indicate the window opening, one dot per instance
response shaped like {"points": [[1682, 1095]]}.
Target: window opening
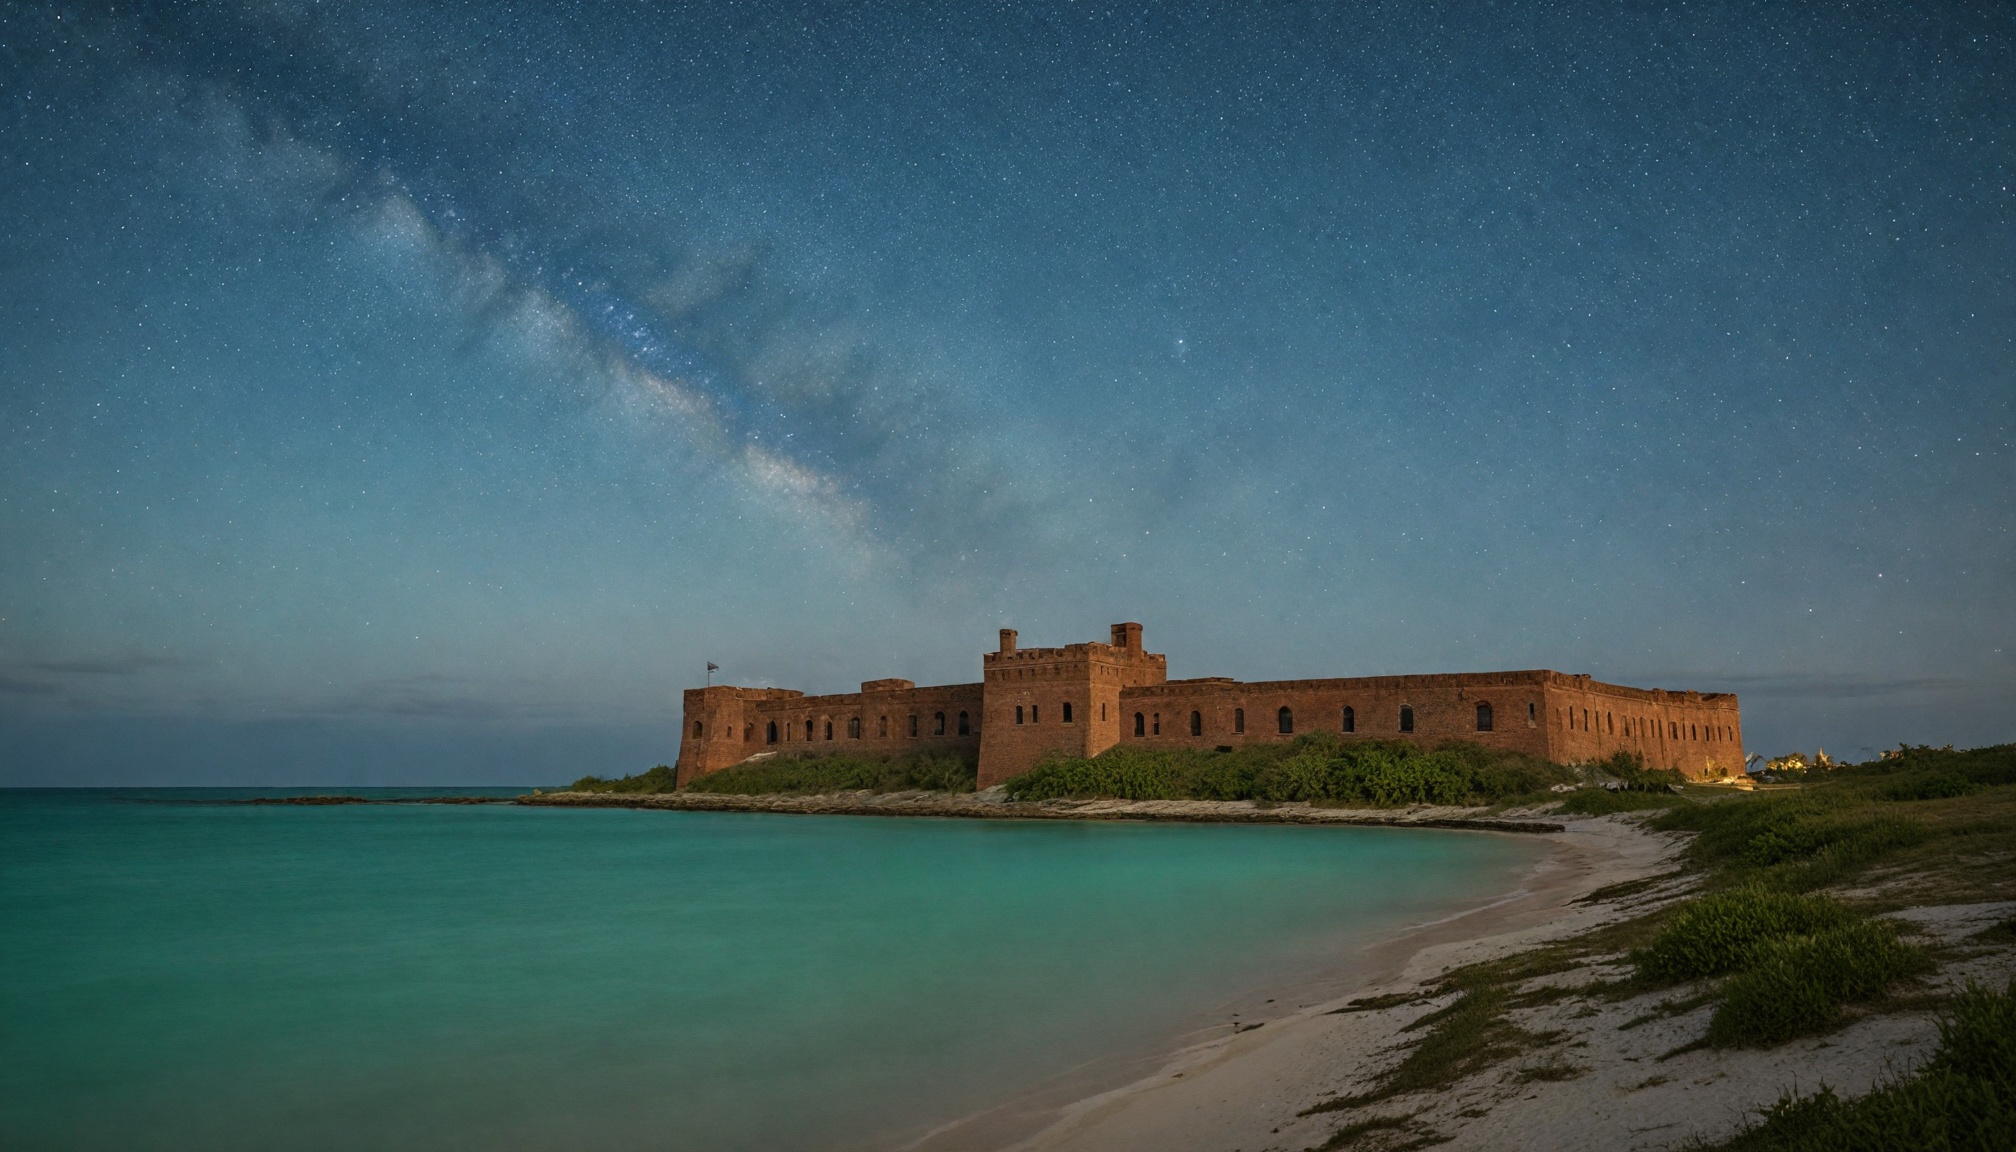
{"points": [[1196, 723], [1238, 720], [1067, 712], [1350, 719], [770, 732], [696, 729], [1140, 724], [1285, 720], [1406, 717], [937, 723], [965, 726], [1483, 717], [1018, 714]]}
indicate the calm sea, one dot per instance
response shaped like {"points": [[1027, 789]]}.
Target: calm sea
{"points": [[179, 973]]}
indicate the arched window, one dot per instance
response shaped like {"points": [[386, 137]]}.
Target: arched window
{"points": [[1140, 724], [1018, 714], [853, 727], [1350, 719], [748, 733], [770, 732], [696, 729], [1483, 717], [1406, 717], [937, 723], [1238, 720], [882, 727], [965, 725], [1196, 723], [1033, 713], [1532, 716], [913, 724], [808, 728], [1067, 712], [1155, 724], [1285, 719], [829, 729]]}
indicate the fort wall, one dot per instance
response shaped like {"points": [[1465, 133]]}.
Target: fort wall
{"points": [[1082, 699]]}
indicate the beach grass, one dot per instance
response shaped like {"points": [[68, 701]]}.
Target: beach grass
{"points": [[1796, 985], [1962, 1100], [1725, 931]]}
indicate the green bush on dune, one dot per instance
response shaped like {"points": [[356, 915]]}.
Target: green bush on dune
{"points": [[1798, 984], [1723, 932], [1314, 768]]}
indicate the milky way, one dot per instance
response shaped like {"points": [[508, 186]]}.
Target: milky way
{"points": [[427, 391]]}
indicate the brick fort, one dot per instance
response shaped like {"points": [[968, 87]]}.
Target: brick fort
{"points": [[1082, 699]]}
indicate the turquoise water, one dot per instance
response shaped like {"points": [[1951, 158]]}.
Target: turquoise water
{"points": [[183, 975]]}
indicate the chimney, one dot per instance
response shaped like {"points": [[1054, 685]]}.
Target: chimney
{"points": [[1007, 639], [1127, 636]]}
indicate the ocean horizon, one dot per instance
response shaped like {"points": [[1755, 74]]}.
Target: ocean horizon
{"points": [[187, 972]]}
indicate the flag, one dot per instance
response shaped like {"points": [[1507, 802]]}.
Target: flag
{"points": [[713, 667]]}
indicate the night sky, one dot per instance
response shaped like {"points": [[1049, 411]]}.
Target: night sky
{"points": [[424, 392]]}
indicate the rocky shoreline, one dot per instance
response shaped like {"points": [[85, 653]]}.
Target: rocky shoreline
{"points": [[992, 805]]}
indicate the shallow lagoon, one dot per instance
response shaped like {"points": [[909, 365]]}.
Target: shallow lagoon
{"points": [[184, 974]]}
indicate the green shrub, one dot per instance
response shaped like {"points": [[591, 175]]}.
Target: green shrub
{"points": [[1723, 932], [1935, 785], [1317, 768], [1798, 984], [840, 772], [659, 779], [1987, 767], [1601, 802], [1807, 840], [1963, 1100]]}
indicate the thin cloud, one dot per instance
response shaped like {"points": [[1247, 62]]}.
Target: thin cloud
{"points": [[110, 666], [1803, 686]]}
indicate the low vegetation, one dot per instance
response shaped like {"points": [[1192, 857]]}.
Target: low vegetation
{"points": [[1320, 769], [1727, 931], [1784, 939], [1797, 985], [1963, 1100], [808, 775]]}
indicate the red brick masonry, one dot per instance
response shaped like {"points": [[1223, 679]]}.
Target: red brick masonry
{"points": [[1086, 698]]}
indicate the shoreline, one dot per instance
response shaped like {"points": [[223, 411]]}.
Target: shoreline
{"points": [[1615, 1074], [1218, 1093], [993, 806]]}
